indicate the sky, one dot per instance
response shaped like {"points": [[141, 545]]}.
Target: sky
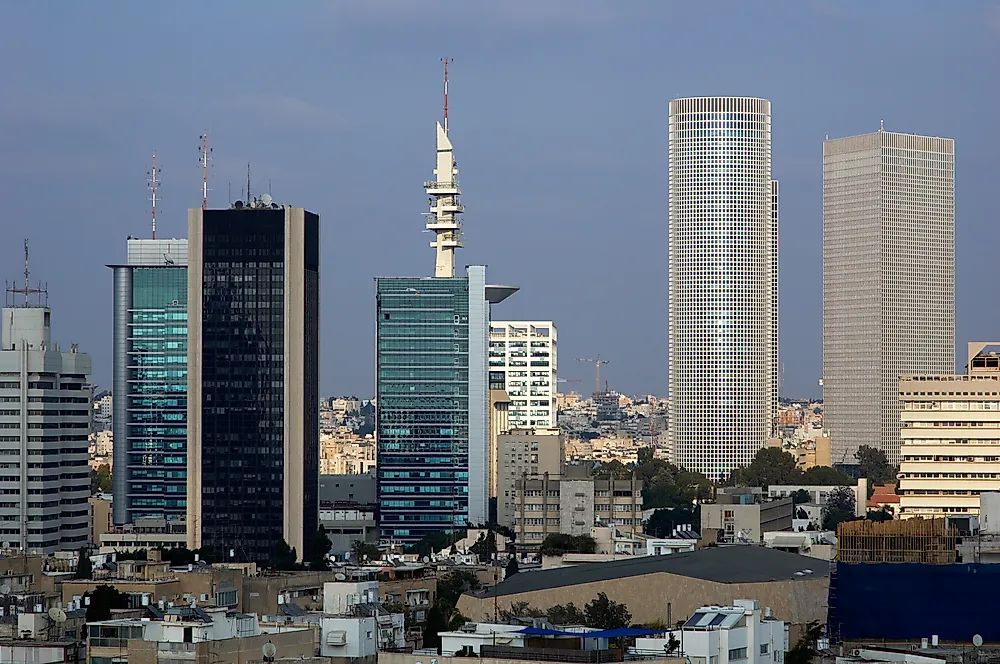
{"points": [[558, 113]]}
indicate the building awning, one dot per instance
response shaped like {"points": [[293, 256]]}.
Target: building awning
{"points": [[599, 634]]}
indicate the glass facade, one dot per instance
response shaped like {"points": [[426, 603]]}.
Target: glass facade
{"points": [[423, 406], [156, 450]]}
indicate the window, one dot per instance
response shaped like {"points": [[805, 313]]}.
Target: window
{"points": [[737, 653], [764, 648]]}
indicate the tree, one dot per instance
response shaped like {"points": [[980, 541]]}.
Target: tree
{"points": [[102, 601], [800, 497], [801, 514], [804, 651], [604, 613], [879, 516], [663, 521], [520, 610], [825, 476], [177, 557], [364, 550], [771, 465], [442, 617], [612, 470], [873, 465], [557, 544], [317, 548], [840, 507], [672, 643], [84, 568], [453, 584], [283, 557], [568, 614], [485, 547], [436, 541], [512, 567], [100, 479]]}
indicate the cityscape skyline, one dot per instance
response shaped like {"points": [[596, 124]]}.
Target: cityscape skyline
{"points": [[305, 128]]}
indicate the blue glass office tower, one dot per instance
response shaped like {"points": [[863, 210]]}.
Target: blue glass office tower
{"points": [[432, 402], [150, 381]]}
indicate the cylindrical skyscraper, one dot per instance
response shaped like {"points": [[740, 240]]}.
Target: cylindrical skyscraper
{"points": [[723, 282]]}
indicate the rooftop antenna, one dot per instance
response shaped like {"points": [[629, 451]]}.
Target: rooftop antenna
{"points": [[12, 291], [881, 125], [206, 154], [446, 61], [153, 179], [248, 183]]}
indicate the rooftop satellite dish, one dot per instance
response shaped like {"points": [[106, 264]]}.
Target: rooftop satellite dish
{"points": [[266, 200], [339, 576], [977, 640], [269, 650], [59, 616], [426, 559]]}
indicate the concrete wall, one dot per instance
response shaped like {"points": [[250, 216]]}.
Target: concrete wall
{"points": [[647, 596]]}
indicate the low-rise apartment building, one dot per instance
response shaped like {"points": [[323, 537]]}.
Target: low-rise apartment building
{"points": [[950, 450], [573, 503], [742, 515], [520, 453]]}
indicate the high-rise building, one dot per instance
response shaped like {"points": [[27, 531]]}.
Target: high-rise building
{"points": [[45, 411], [950, 433], [723, 282], [888, 280], [253, 378], [525, 352], [434, 403], [150, 381]]}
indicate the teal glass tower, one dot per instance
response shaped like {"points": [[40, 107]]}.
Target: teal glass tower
{"points": [[150, 381]]}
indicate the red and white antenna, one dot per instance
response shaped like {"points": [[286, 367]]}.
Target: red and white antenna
{"points": [[446, 61], [153, 180], [206, 154]]}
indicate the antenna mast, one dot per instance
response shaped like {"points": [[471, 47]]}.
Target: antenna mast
{"points": [[446, 61], [206, 154], [12, 291], [153, 179], [249, 197]]}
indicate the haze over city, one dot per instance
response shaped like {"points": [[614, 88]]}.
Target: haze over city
{"points": [[558, 115]]}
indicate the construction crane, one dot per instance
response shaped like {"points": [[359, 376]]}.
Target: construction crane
{"points": [[567, 380], [597, 366]]}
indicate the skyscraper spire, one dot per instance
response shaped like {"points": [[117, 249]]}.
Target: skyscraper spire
{"points": [[445, 208]]}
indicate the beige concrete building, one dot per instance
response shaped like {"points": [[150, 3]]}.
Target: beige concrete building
{"points": [[950, 437], [520, 453], [499, 423], [808, 454], [672, 587], [100, 517], [573, 503], [742, 514]]}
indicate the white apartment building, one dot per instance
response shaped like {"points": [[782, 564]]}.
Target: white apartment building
{"points": [[723, 282], [950, 437], [45, 411], [524, 353], [888, 280], [723, 634]]}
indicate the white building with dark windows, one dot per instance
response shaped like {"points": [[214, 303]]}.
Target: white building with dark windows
{"points": [[723, 282], [525, 353], [888, 280], [45, 411]]}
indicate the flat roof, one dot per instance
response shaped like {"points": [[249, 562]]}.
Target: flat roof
{"points": [[724, 564]]}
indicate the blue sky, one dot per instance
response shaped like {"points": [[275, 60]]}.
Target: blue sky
{"points": [[558, 115]]}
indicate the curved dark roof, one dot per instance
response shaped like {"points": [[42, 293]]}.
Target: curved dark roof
{"points": [[724, 564]]}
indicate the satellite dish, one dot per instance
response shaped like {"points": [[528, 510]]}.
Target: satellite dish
{"points": [[269, 650], [339, 576], [59, 616], [427, 559], [266, 200], [977, 640]]}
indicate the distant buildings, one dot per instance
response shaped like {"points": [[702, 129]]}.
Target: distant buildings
{"points": [[525, 352], [45, 412], [342, 452], [888, 280], [253, 379], [950, 437], [150, 358], [723, 282]]}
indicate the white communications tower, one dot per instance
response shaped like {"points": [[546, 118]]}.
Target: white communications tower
{"points": [[443, 218]]}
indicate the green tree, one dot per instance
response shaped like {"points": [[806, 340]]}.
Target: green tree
{"points": [[84, 568], [568, 614], [804, 651], [878, 516], [604, 613], [485, 547], [612, 470], [800, 496], [177, 557], [771, 465], [520, 610], [317, 548], [825, 476], [453, 584], [102, 601], [100, 479], [283, 557], [436, 541], [512, 567], [557, 544], [839, 507], [365, 551], [663, 521], [873, 465], [442, 617]]}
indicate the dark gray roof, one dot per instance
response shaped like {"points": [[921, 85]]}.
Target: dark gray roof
{"points": [[724, 564]]}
